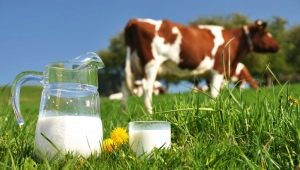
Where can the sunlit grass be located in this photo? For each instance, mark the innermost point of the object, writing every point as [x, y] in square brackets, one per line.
[239, 130]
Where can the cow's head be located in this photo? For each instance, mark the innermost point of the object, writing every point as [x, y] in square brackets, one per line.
[261, 40]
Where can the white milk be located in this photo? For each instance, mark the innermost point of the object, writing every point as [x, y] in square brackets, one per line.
[143, 141]
[78, 134]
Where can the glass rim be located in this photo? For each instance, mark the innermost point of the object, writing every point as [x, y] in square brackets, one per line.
[56, 65]
[150, 122]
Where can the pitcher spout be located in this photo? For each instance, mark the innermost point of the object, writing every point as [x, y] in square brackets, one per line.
[90, 60]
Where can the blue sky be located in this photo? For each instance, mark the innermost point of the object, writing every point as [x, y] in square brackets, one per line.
[36, 32]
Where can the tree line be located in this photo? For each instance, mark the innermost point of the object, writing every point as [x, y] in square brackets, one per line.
[285, 64]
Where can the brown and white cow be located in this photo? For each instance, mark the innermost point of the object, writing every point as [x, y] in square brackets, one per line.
[240, 76]
[168, 49]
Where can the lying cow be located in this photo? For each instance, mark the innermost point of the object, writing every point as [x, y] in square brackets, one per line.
[138, 90]
[168, 49]
[240, 76]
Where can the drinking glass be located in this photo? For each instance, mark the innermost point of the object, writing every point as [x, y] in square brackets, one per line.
[144, 136]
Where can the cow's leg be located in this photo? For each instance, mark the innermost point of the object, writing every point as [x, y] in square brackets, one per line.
[127, 84]
[216, 83]
[148, 83]
[128, 72]
[247, 77]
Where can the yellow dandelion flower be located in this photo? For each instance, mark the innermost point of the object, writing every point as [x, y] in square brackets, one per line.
[108, 145]
[293, 101]
[119, 136]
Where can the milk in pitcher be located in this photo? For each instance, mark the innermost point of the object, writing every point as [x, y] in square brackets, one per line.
[68, 133]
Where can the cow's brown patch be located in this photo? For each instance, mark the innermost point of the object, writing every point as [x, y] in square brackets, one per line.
[165, 31]
[196, 44]
[231, 52]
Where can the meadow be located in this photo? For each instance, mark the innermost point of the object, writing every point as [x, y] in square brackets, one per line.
[241, 129]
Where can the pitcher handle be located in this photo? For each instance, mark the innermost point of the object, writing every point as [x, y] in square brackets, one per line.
[15, 90]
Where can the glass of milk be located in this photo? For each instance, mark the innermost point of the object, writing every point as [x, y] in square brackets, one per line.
[69, 120]
[144, 136]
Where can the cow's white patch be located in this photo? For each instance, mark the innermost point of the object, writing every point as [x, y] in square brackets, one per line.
[206, 64]
[234, 78]
[269, 35]
[259, 22]
[156, 23]
[116, 96]
[216, 83]
[166, 51]
[243, 85]
[218, 36]
[239, 68]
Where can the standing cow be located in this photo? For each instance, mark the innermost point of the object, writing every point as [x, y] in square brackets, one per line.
[168, 49]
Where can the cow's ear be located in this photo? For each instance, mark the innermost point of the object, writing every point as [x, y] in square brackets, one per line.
[261, 24]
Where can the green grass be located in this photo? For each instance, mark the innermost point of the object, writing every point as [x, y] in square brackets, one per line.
[239, 130]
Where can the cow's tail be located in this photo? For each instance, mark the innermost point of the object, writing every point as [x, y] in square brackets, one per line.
[127, 84]
[128, 72]
[130, 42]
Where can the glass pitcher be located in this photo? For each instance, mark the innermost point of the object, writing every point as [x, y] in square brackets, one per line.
[69, 118]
